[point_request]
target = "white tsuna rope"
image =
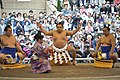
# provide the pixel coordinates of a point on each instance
(65, 57)
(68, 55)
(9, 60)
(51, 58)
(55, 58)
(15, 59)
(60, 59)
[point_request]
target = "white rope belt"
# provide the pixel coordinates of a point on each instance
(59, 54)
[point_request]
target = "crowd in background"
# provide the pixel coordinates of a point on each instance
(95, 16)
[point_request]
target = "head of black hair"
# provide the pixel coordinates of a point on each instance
(107, 28)
(60, 23)
(31, 11)
(38, 36)
(6, 28)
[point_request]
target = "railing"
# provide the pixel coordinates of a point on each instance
(27, 60)
(87, 58)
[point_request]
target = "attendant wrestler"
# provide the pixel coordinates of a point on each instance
(9, 45)
(59, 37)
(107, 44)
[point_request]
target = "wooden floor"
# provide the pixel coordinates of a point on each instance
(80, 72)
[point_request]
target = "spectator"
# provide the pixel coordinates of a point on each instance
(86, 51)
(116, 2)
(2, 26)
(1, 4)
(4, 17)
(18, 28)
(82, 9)
(103, 9)
(30, 14)
(76, 20)
(89, 27)
(65, 10)
(89, 10)
(112, 9)
(96, 9)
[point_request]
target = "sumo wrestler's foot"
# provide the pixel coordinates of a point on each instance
(113, 65)
(2, 61)
(74, 63)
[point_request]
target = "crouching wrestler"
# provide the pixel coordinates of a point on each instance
(107, 44)
(10, 48)
(59, 38)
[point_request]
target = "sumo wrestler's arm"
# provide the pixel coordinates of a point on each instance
(70, 33)
(113, 43)
(94, 54)
(19, 47)
(98, 44)
(2, 45)
(48, 33)
(0, 42)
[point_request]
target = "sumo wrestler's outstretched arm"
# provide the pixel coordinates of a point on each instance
(70, 33)
(48, 33)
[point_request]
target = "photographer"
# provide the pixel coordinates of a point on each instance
(1, 4)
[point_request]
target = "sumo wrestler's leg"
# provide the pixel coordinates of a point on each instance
(20, 55)
(73, 50)
(114, 57)
(94, 54)
(2, 57)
